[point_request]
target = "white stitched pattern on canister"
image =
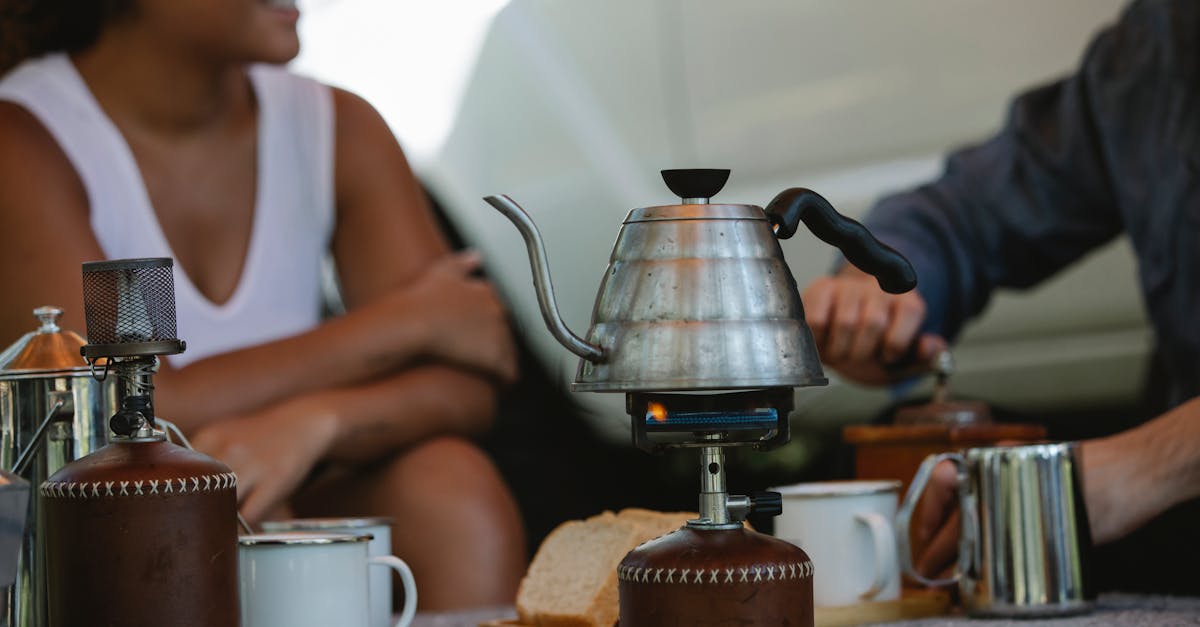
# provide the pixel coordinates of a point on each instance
(147, 487)
(752, 574)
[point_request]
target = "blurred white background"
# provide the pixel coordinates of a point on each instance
(572, 107)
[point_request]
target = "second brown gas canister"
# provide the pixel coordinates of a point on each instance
(142, 533)
(716, 577)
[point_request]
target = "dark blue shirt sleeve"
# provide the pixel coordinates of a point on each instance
(1037, 196)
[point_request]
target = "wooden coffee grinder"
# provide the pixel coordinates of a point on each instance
(945, 423)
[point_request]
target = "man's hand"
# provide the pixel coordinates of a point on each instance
(936, 524)
(866, 334)
(271, 453)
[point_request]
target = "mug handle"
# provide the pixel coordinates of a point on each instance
(406, 578)
(904, 517)
(883, 537)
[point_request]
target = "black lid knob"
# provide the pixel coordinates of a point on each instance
(766, 503)
(695, 182)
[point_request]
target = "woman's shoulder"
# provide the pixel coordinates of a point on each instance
(355, 118)
(40, 191)
(44, 105)
(27, 147)
(360, 128)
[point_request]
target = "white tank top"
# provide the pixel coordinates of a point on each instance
(279, 292)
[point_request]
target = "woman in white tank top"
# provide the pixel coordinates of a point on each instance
(143, 128)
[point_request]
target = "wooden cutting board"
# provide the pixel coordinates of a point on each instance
(912, 604)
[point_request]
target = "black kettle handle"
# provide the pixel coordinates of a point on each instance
(793, 206)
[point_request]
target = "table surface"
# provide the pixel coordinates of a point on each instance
(1111, 609)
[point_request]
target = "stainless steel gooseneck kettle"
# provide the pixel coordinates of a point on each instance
(698, 296)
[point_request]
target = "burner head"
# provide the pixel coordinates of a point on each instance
(129, 305)
(756, 417)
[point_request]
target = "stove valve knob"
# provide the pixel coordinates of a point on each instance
(134, 414)
(767, 503)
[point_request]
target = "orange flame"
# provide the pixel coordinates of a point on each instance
(656, 412)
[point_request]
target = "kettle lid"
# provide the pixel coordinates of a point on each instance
(695, 184)
(48, 348)
(695, 187)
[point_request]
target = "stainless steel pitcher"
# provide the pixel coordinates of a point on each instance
(698, 296)
(1024, 543)
(52, 411)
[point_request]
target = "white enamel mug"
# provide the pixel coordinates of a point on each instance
(379, 579)
(313, 579)
(848, 529)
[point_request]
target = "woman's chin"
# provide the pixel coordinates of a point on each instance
(277, 50)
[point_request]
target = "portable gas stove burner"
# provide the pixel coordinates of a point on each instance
(712, 422)
(715, 568)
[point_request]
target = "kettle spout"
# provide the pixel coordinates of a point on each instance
(541, 279)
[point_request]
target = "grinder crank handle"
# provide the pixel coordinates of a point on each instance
(793, 206)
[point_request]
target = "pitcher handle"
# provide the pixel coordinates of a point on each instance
(406, 578)
(904, 517)
(26, 456)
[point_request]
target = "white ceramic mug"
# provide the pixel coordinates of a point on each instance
(312, 579)
(848, 530)
(380, 580)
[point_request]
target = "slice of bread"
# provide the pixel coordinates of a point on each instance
(572, 581)
(654, 524)
(568, 583)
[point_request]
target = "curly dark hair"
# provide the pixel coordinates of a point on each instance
(29, 28)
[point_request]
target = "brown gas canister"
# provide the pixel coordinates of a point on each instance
(142, 533)
(711, 577)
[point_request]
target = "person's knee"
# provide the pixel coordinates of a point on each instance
(443, 458)
(471, 550)
(448, 472)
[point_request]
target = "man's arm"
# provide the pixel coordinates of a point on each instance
(1008, 212)
(1132, 477)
